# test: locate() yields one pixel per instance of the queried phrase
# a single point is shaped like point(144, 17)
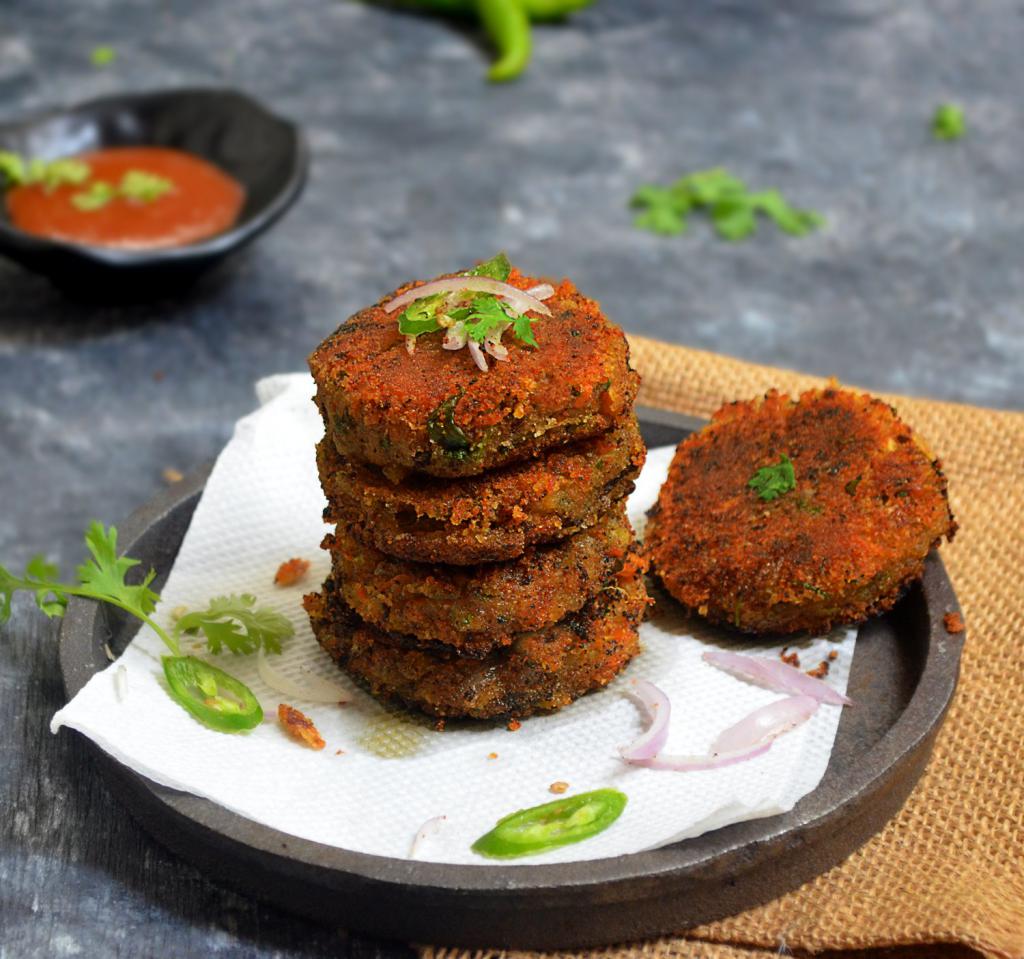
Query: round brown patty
point(540, 671)
point(869, 503)
point(435, 412)
point(478, 608)
point(487, 518)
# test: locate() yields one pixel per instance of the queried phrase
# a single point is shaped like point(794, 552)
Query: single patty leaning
point(479, 608)
point(481, 519)
point(435, 412)
point(867, 505)
point(540, 671)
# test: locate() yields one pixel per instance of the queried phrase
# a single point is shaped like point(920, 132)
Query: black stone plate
point(903, 676)
point(264, 152)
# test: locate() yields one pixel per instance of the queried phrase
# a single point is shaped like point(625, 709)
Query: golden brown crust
point(488, 518)
point(435, 412)
point(540, 671)
point(869, 504)
point(478, 608)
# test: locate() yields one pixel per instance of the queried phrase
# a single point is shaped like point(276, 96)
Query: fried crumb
point(492, 755)
point(820, 671)
point(290, 572)
point(171, 475)
point(440, 725)
point(792, 658)
point(299, 726)
point(833, 656)
point(339, 752)
point(558, 787)
point(954, 623)
point(513, 725)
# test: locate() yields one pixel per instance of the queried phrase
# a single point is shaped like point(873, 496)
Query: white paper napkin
point(385, 772)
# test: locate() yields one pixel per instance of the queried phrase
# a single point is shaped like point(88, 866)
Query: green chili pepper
point(508, 26)
point(554, 824)
point(214, 697)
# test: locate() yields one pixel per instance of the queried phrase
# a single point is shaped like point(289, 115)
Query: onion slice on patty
point(519, 300)
point(777, 676)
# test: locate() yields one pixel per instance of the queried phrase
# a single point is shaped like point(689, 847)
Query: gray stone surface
point(916, 285)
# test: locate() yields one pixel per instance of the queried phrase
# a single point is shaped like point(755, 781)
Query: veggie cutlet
point(482, 562)
point(485, 518)
point(539, 672)
point(786, 515)
point(436, 412)
point(478, 608)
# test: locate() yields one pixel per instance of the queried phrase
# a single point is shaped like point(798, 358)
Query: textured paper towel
point(262, 505)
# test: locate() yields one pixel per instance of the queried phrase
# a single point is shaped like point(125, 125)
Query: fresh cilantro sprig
point(231, 621)
point(948, 122)
point(235, 622)
point(480, 315)
point(770, 482)
point(732, 208)
point(101, 577)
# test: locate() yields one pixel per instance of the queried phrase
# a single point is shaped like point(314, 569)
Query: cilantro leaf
point(770, 482)
point(497, 268)
point(948, 122)
point(521, 327)
point(235, 622)
point(664, 209)
point(12, 167)
point(103, 56)
point(486, 314)
point(732, 208)
point(144, 187)
point(420, 316)
point(104, 574)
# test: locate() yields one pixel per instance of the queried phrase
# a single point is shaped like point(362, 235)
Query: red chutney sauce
point(201, 202)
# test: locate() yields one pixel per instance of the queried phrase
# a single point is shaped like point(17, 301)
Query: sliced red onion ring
point(430, 828)
point(455, 337)
point(542, 291)
point(519, 300)
point(776, 675)
point(477, 354)
point(492, 343)
point(683, 764)
point(312, 688)
point(659, 709)
point(763, 725)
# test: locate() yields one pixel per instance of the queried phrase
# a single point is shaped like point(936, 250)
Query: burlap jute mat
point(945, 878)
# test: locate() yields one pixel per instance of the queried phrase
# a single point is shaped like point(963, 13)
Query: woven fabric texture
point(945, 878)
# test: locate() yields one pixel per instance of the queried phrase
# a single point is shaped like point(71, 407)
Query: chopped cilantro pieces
point(144, 187)
point(235, 622)
point(732, 208)
point(949, 122)
point(484, 315)
point(770, 482)
point(103, 56)
point(98, 194)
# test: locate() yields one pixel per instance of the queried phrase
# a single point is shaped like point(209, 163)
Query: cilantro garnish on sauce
point(725, 199)
point(949, 122)
point(770, 482)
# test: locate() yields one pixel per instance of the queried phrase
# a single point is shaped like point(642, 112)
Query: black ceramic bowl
point(264, 152)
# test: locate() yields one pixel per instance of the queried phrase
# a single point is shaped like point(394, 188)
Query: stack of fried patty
point(482, 561)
